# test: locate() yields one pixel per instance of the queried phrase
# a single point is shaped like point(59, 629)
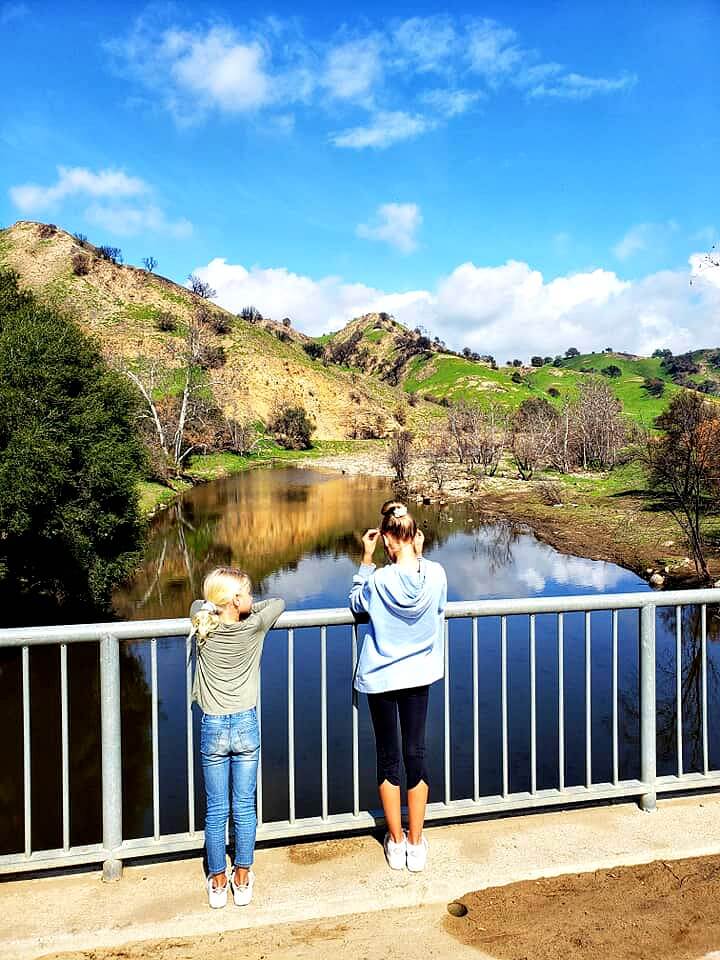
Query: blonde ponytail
point(219, 588)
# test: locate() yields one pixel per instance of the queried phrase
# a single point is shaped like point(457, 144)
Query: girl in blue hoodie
point(401, 655)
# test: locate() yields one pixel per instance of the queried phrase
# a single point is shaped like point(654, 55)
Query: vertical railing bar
point(588, 701)
point(259, 788)
point(703, 649)
point(678, 689)
point(323, 719)
point(155, 750)
point(503, 703)
point(65, 747)
point(533, 710)
point(476, 711)
point(615, 760)
point(446, 708)
point(189, 736)
point(561, 700)
point(291, 723)
point(355, 726)
point(27, 784)
point(648, 707)
point(111, 756)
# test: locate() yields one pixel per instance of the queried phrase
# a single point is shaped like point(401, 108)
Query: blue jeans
point(230, 743)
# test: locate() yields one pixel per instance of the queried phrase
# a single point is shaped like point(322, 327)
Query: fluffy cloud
point(112, 188)
point(446, 63)
point(396, 224)
point(384, 130)
point(74, 181)
point(510, 310)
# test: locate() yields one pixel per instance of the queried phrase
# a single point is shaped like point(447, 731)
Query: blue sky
point(509, 175)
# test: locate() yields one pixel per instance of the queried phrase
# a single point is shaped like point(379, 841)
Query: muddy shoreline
point(621, 530)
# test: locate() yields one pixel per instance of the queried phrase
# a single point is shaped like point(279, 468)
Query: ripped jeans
point(230, 750)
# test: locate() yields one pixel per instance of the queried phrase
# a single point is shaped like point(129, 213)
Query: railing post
point(648, 736)
point(110, 733)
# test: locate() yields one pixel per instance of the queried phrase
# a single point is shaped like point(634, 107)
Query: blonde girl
point(230, 631)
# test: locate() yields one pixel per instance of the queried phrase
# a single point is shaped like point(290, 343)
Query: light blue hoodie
point(403, 643)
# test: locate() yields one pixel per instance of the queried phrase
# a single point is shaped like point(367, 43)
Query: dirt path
point(667, 910)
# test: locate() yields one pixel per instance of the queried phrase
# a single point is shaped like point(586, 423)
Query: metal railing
point(115, 848)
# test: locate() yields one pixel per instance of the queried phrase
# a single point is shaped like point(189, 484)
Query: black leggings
point(411, 705)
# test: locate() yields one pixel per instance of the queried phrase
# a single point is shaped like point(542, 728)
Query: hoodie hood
point(406, 595)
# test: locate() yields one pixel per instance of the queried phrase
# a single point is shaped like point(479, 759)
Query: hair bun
point(400, 511)
point(208, 607)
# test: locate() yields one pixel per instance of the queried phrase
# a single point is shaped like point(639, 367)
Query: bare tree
point(400, 454)
point(438, 451)
point(598, 425)
point(479, 435)
point(201, 287)
point(533, 431)
point(684, 464)
point(149, 263)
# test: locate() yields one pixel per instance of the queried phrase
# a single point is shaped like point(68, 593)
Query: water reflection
point(298, 534)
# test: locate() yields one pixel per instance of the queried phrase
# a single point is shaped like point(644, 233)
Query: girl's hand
point(418, 542)
point(369, 541)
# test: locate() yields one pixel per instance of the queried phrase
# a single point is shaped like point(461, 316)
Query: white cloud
point(451, 103)
point(576, 86)
point(509, 310)
point(74, 181)
point(425, 43)
point(396, 224)
point(218, 68)
point(385, 129)
point(352, 69)
point(272, 65)
point(492, 49)
point(114, 187)
point(643, 236)
point(129, 221)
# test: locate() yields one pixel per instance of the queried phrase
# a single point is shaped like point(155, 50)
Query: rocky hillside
point(125, 307)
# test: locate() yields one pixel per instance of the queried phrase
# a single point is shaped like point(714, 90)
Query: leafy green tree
point(611, 371)
point(69, 458)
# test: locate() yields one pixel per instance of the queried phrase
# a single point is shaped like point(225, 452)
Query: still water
point(297, 533)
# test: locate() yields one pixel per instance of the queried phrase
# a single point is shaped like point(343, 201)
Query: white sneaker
point(417, 855)
point(395, 852)
point(217, 896)
point(242, 893)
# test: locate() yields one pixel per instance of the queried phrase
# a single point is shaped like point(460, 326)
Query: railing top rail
point(145, 629)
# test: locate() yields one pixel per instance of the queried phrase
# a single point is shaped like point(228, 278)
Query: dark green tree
point(69, 459)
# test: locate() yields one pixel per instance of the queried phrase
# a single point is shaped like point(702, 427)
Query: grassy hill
point(121, 306)
point(360, 382)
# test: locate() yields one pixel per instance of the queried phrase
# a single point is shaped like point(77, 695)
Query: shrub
point(47, 230)
point(536, 362)
point(654, 386)
point(292, 426)
point(313, 350)
point(166, 322)
point(550, 492)
point(400, 414)
point(553, 391)
point(220, 323)
point(112, 254)
point(412, 399)
point(80, 264)
point(611, 371)
point(211, 357)
point(81, 239)
point(149, 263)
point(283, 336)
point(286, 322)
point(516, 377)
point(517, 363)
point(683, 363)
point(572, 352)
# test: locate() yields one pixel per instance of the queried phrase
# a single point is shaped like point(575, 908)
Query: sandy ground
point(667, 910)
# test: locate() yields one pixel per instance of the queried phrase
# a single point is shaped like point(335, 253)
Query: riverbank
point(602, 516)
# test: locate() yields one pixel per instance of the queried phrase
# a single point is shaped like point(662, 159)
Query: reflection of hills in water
point(263, 521)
